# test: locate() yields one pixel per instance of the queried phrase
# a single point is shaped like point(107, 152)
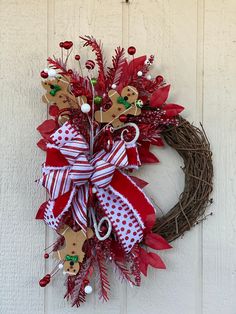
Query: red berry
point(131, 50)
point(67, 45)
point(42, 283)
point(46, 255)
point(45, 280)
point(61, 44)
point(122, 118)
point(70, 71)
point(77, 57)
point(44, 74)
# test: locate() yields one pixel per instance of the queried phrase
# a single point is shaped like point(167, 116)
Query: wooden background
point(195, 45)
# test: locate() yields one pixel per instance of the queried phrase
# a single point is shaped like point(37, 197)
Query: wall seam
point(200, 115)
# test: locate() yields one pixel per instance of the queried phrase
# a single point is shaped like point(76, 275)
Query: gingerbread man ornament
point(58, 93)
point(122, 105)
point(72, 253)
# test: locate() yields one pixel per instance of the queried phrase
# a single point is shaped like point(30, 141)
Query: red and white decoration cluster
point(103, 122)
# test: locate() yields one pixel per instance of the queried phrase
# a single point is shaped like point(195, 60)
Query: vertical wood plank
point(219, 255)
point(176, 32)
point(23, 47)
point(169, 29)
point(68, 20)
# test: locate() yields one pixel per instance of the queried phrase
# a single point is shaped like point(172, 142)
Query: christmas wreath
point(103, 123)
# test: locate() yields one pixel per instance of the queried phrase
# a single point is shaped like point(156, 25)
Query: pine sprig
point(103, 283)
point(123, 273)
point(97, 48)
point(57, 64)
point(78, 295)
point(114, 72)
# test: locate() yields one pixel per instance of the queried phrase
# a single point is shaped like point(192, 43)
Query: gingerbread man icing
point(122, 105)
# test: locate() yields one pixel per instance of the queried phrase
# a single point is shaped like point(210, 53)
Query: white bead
point(85, 108)
point(140, 73)
point(149, 77)
point(60, 266)
point(147, 62)
point(94, 190)
point(52, 72)
point(88, 289)
point(113, 86)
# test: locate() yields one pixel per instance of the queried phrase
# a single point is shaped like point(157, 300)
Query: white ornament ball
point(113, 86)
point(140, 73)
point(88, 289)
point(94, 190)
point(147, 62)
point(60, 266)
point(149, 77)
point(52, 72)
point(85, 108)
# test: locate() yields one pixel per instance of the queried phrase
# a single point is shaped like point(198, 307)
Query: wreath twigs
point(192, 145)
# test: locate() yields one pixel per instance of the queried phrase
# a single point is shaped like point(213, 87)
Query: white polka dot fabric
point(64, 134)
point(123, 221)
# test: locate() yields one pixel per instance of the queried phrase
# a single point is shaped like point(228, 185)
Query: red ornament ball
point(70, 71)
point(46, 255)
point(123, 118)
point(131, 50)
point(44, 74)
point(77, 57)
point(67, 44)
point(89, 64)
point(61, 44)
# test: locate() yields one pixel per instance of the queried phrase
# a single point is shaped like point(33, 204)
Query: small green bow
point(55, 89)
point(121, 100)
point(73, 258)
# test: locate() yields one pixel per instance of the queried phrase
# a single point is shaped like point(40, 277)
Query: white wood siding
point(195, 46)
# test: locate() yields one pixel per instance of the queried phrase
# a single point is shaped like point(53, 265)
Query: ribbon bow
point(121, 100)
point(73, 258)
point(55, 89)
point(68, 173)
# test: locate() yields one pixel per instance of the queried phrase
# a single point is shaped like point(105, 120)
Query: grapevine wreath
point(103, 123)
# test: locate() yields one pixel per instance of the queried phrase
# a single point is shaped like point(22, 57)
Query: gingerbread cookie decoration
point(72, 253)
point(122, 105)
point(58, 93)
